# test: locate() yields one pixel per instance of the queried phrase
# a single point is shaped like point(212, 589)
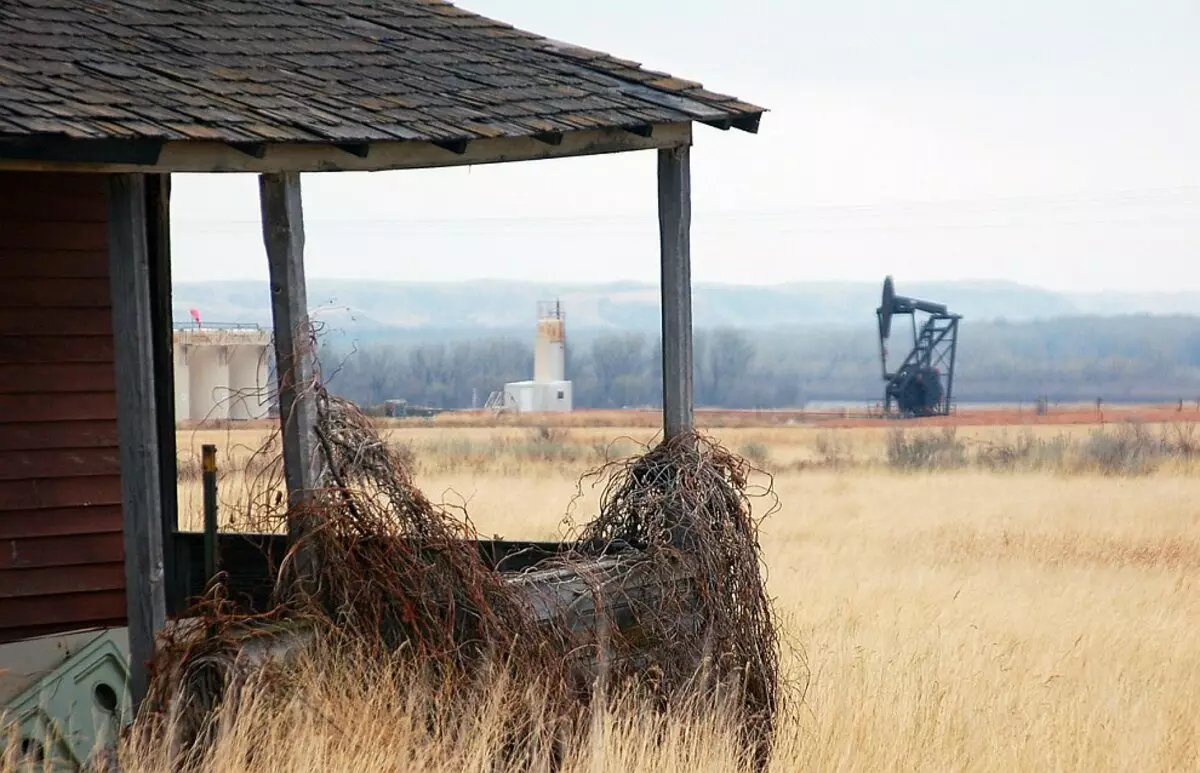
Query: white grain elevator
point(549, 391)
point(221, 372)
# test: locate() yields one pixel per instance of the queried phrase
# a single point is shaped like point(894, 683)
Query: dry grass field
point(979, 598)
point(1013, 599)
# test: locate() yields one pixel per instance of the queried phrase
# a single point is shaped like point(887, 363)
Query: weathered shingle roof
point(341, 71)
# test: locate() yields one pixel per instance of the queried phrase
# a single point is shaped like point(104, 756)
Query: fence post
point(208, 456)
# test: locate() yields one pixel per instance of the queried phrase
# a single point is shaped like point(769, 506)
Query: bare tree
point(726, 365)
point(619, 364)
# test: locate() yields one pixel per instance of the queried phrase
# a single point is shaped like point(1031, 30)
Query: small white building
point(549, 391)
point(538, 396)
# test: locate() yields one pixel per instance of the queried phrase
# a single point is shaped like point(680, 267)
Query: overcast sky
point(1050, 142)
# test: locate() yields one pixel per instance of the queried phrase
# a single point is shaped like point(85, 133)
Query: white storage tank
point(221, 373)
point(550, 346)
point(549, 391)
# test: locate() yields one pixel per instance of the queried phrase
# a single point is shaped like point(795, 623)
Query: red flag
point(195, 315)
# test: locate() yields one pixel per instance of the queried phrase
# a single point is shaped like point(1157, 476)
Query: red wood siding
point(61, 548)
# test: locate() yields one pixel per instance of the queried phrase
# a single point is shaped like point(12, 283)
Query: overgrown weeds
point(833, 449)
point(348, 711)
point(939, 450)
point(659, 596)
point(190, 470)
point(1126, 449)
point(510, 454)
point(757, 453)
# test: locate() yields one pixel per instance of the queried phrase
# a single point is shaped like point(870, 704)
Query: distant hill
point(485, 305)
point(447, 344)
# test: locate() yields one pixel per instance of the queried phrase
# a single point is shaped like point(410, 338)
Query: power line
point(1183, 196)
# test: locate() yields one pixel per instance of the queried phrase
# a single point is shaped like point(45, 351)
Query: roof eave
point(163, 156)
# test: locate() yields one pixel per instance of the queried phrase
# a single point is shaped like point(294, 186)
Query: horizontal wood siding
point(62, 562)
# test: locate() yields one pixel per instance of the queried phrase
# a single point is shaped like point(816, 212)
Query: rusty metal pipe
point(208, 460)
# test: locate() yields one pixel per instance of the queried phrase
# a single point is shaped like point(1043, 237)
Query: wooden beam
point(674, 223)
point(92, 151)
point(137, 424)
point(158, 245)
point(283, 234)
point(205, 156)
point(252, 149)
point(356, 149)
point(457, 147)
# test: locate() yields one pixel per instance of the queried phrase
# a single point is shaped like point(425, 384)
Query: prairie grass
point(451, 458)
point(354, 715)
point(1029, 604)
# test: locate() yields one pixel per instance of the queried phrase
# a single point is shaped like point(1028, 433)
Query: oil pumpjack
point(923, 384)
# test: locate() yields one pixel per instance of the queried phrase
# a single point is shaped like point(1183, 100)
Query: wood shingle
point(245, 71)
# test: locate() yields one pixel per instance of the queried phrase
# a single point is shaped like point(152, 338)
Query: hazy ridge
point(492, 305)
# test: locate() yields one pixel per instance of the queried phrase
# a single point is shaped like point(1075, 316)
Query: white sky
point(1051, 142)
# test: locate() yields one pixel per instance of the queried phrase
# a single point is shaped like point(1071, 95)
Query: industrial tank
point(549, 352)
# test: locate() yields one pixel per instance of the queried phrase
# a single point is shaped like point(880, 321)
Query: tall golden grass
point(983, 619)
point(356, 715)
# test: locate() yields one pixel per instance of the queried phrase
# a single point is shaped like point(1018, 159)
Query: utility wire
point(1185, 196)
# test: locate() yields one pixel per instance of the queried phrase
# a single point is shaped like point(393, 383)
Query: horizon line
point(707, 284)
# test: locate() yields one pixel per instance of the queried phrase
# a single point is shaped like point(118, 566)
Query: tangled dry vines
point(427, 589)
point(684, 507)
point(661, 594)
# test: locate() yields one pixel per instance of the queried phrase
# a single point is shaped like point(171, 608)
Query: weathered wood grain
point(674, 222)
point(137, 422)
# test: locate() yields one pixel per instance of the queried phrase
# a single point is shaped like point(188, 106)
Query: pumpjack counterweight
point(923, 384)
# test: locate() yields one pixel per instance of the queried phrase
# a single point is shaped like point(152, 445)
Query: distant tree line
point(1113, 358)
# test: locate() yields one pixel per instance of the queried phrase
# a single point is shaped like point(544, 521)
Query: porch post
point(158, 244)
point(674, 222)
point(137, 422)
point(283, 235)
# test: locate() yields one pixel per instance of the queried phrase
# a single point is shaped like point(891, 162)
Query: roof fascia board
point(202, 156)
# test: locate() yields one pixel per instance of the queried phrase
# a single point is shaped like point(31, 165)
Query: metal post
point(208, 457)
point(674, 222)
point(950, 375)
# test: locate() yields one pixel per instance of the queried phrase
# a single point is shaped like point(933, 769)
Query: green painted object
point(74, 710)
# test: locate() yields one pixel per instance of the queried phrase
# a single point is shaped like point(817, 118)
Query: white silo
point(221, 373)
point(549, 349)
point(549, 390)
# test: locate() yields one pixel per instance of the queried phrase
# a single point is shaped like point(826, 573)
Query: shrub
point(756, 453)
point(1129, 450)
point(1026, 452)
point(1181, 442)
point(833, 449)
point(926, 450)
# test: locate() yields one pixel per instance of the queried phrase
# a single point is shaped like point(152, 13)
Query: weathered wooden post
point(137, 422)
point(283, 235)
point(158, 244)
point(674, 223)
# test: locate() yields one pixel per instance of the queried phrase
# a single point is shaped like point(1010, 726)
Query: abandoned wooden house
point(101, 102)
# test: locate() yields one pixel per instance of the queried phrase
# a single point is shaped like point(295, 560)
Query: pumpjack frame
point(916, 387)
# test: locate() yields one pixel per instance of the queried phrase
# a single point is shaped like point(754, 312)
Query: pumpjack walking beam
point(916, 386)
